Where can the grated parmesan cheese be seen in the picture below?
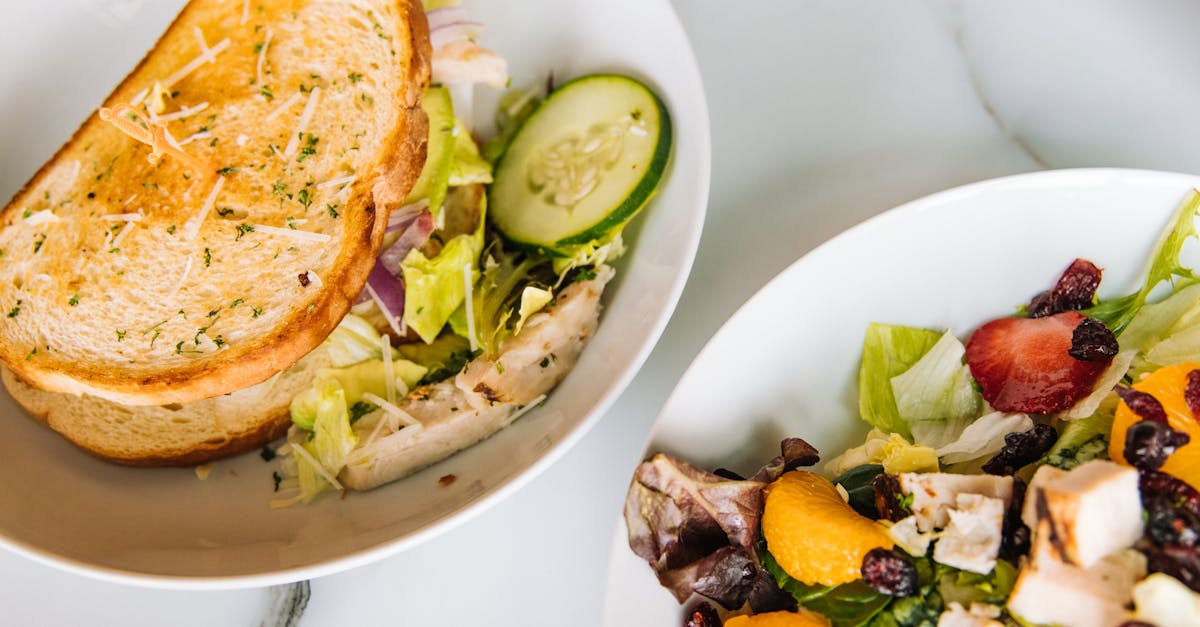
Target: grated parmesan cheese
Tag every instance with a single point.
(345, 180)
(128, 200)
(383, 310)
(187, 270)
(208, 56)
(116, 241)
(245, 12)
(389, 369)
(192, 226)
(262, 55)
(287, 104)
(241, 140)
(122, 217)
(44, 216)
(200, 38)
(393, 409)
(303, 454)
(470, 307)
(295, 233)
(141, 95)
(314, 96)
(182, 113)
(193, 137)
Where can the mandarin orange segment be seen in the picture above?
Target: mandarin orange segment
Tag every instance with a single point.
(813, 534)
(799, 618)
(1166, 385)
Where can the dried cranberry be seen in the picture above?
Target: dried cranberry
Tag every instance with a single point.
(702, 615)
(1180, 562)
(1166, 524)
(1021, 449)
(1014, 536)
(1075, 289)
(1191, 393)
(889, 572)
(1182, 495)
(1148, 444)
(1145, 406)
(888, 499)
(1092, 341)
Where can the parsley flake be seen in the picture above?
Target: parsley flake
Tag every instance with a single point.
(243, 229)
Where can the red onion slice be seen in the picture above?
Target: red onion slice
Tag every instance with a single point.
(454, 31)
(413, 237)
(445, 15)
(387, 290)
(404, 216)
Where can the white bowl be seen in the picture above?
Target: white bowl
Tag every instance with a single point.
(164, 527)
(786, 363)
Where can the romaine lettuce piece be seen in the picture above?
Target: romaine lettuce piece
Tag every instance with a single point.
(888, 351)
(436, 287)
(467, 167)
(935, 396)
(1084, 439)
(439, 152)
(444, 358)
(533, 300)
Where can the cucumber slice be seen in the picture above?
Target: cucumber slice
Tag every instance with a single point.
(583, 163)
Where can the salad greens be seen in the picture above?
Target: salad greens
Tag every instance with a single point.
(931, 413)
(888, 351)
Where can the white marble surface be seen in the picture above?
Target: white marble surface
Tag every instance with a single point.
(824, 113)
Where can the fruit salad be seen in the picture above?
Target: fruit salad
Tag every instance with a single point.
(1041, 469)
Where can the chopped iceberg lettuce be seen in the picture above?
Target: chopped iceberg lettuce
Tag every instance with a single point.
(353, 382)
(888, 351)
(984, 437)
(533, 300)
(1084, 439)
(354, 340)
(593, 253)
(935, 396)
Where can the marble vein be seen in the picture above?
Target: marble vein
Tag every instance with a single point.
(957, 25)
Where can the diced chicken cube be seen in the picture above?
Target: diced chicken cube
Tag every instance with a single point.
(1088, 513)
(934, 494)
(1054, 593)
(1163, 601)
(971, 541)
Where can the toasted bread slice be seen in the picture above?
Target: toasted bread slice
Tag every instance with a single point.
(175, 434)
(282, 132)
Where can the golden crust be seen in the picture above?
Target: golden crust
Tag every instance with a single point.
(380, 187)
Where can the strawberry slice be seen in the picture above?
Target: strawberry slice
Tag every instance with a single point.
(1024, 364)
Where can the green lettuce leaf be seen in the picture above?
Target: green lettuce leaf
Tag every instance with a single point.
(888, 351)
(352, 382)
(444, 357)
(434, 288)
(499, 293)
(848, 605)
(1084, 439)
(515, 107)
(439, 152)
(1165, 265)
(352, 341)
(935, 397)
(890, 450)
(467, 167)
(593, 253)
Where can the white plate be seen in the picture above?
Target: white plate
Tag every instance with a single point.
(786, 363)
(166, 528)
